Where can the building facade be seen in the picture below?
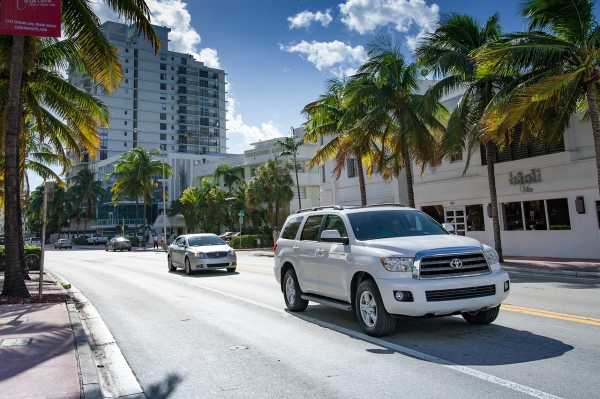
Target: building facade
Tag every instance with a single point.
(168, 101)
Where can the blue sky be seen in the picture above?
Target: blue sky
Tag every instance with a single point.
(275, 67)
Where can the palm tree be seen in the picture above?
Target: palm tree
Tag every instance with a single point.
(410, 123)
(86, 191)
(189, 206)
(51, 111)
(230, 174)
(290, 147)
(561, 55)
(330, 117)
(135, 175)
(271, 187)
(448, 54)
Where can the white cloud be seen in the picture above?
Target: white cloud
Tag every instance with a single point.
(305, 18)
(365, 16)
(337, 57)
(186, 39)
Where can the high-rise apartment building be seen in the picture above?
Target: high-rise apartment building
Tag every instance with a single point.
(167, 101)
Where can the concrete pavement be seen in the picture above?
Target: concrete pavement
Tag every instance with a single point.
(216, 334)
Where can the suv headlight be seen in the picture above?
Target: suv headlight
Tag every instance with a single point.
(492, 258)
(200, 255)
(397, 263)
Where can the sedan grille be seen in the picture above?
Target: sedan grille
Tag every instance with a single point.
(453, 265)
(213, 255)
(460, 293)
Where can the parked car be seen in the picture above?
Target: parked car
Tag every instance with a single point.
(63, 243)
(97, 240)
(384, 262)
(228, 235)
(35, 241)
(118, 244)
(194, 252)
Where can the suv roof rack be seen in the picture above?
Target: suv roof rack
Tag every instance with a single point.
(318, 208)
(384, 204)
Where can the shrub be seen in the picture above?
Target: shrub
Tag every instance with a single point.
(252, 241)
(29, 249)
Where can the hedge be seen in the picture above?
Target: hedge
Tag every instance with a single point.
(29, 249)
(251, 241)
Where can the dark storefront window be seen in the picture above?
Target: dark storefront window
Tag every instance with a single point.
(535, 215)
(475, 221)
(558, 214)
(513, 217)
(435, 211)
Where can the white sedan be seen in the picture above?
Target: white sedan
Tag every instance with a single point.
(193, 252)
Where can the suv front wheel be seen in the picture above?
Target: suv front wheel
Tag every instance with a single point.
(370, 312)
(483, 316)
(292, 293)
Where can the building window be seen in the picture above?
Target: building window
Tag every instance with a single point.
(125, 112)
(125, 134)
(163, 76)
(351, 168)
(558, 214)
(535, 215)
(125, 123)
(163, 136)
(163, 116)
(125, 144)
(475, 221)
(323, 174)
(163, 147)
(163, 126)
(435, 211)
(163, 67)
(163, 86)
(513, 216)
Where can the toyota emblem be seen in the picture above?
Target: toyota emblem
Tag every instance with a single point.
(456, 263)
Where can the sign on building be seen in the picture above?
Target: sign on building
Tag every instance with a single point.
(30, 17)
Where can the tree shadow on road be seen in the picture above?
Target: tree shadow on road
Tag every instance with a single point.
(448, 338)
(163, 389)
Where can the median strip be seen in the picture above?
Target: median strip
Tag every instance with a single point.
(552, 315)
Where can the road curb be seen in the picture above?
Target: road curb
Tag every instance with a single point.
(547, 272)
(104, 371)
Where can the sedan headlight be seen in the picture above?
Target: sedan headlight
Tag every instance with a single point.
(492, 258)
(200, 255)
(231, 253)
(397, 263)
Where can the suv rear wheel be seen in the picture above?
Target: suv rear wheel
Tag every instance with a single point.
(292, 293)
(483, 316)
(370, 312)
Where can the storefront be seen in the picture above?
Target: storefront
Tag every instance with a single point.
(548, 198)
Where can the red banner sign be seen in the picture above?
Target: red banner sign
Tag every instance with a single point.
(30, 17)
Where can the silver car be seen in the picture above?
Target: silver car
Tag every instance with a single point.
(193, 252)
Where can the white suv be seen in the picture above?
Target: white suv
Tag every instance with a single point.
(386, 261)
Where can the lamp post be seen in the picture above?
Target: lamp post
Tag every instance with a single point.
(164, 182)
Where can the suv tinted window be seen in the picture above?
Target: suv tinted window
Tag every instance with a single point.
(334, 222)
(291, 228)
(397, 223)
(310, 232)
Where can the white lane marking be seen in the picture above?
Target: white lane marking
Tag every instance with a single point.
(536, 393)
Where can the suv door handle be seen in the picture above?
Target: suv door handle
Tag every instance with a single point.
(295, 247)
(320, 251)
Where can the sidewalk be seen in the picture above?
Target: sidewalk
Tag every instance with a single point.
(564, 266)
(38, 357)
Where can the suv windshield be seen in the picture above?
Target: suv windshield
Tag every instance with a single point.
(373, 225)
(200, 241)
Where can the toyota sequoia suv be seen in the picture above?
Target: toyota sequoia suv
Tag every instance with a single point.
(386, 261)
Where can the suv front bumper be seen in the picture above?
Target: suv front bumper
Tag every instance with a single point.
(420, 306)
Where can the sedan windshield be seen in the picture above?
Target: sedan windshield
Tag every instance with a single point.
(373, 225)
(200, 241)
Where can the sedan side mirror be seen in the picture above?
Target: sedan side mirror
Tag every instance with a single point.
(449, 227)
(333, 236)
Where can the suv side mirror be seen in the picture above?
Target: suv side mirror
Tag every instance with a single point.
(333, 236)
(449, 227)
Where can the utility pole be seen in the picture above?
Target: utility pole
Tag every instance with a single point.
(164, 198)
(44, 219)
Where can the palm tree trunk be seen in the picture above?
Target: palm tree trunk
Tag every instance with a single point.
(595, 120)
(409, 176)
(361, 181)
(297, 181)
(14, 283)
(490, 153)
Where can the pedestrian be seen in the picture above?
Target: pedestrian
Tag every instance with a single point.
(155, 239)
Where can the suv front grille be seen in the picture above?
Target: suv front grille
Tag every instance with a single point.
(453, 265)
(460, 293)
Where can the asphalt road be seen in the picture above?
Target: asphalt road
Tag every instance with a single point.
(220, 335)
